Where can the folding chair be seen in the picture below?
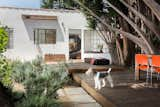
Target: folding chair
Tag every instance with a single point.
(155, 65)
(142, 64)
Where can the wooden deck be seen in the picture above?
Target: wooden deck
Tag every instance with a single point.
(82, 67)
(126, 93)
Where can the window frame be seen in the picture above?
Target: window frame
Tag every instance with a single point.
(94, 41)
(10, 33)
(45, 30)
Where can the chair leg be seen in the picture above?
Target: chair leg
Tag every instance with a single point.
(147, 77)
(158, 76)
(151, 76)
(137, 74)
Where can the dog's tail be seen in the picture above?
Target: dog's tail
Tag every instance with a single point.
(109, 70)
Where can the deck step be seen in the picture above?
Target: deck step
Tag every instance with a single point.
(91, 91)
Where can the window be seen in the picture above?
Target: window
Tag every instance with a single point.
(91, 41)
(10, 38)
(45, 36)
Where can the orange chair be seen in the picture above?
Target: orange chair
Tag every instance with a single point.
(156, 64)
(141, 63)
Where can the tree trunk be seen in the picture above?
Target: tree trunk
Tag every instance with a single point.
(125, 27)
(154, 6)
(130, 36)
(114, 48)
(113, 53)
(136, 28)
(120, 53)
(127, 44)
(148, 23)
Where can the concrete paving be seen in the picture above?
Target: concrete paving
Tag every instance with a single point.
(76, 97)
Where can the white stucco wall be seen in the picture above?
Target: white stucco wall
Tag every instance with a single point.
(74, 21)
(30, 25)
(68, 22)
(24, 47)
(47, 24)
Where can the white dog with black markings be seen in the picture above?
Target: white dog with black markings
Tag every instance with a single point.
(100, 78)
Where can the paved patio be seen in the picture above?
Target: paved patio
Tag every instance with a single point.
(127, 92)
(76, 97)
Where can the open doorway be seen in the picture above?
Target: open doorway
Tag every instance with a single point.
(74, 46)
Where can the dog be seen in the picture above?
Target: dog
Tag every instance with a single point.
(99, 78)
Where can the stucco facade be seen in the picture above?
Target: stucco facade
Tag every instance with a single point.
(67, 22)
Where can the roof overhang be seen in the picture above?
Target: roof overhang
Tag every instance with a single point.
(39, 17)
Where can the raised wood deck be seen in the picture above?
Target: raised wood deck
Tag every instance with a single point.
(82, 67)
(126, 93)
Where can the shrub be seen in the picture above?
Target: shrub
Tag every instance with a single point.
(5, 71)
(41, 82)
(5, 68)
(38, 101)
(3, 39)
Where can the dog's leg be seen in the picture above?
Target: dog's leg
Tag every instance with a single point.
(98, 80)
(110, 80)
(99, 83)
(103, 82)
(95, 83)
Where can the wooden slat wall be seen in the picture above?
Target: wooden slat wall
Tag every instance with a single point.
(54, 57)
(39, 17)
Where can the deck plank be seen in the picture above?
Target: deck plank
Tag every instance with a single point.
(82, 67)
(126, 93)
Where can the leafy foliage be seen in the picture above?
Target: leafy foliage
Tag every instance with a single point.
(65, 4)
(47, 4)
(70, 4)
(38, 101)
(3, 39)
(5, 67)
(97, 7)
(5, 71)
(41, 82)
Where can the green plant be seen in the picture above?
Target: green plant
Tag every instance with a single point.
(5, 67)
(5, 71)
(40, 81)
(3, 39)
(64, 4)
(21, 71)
(38, 101)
